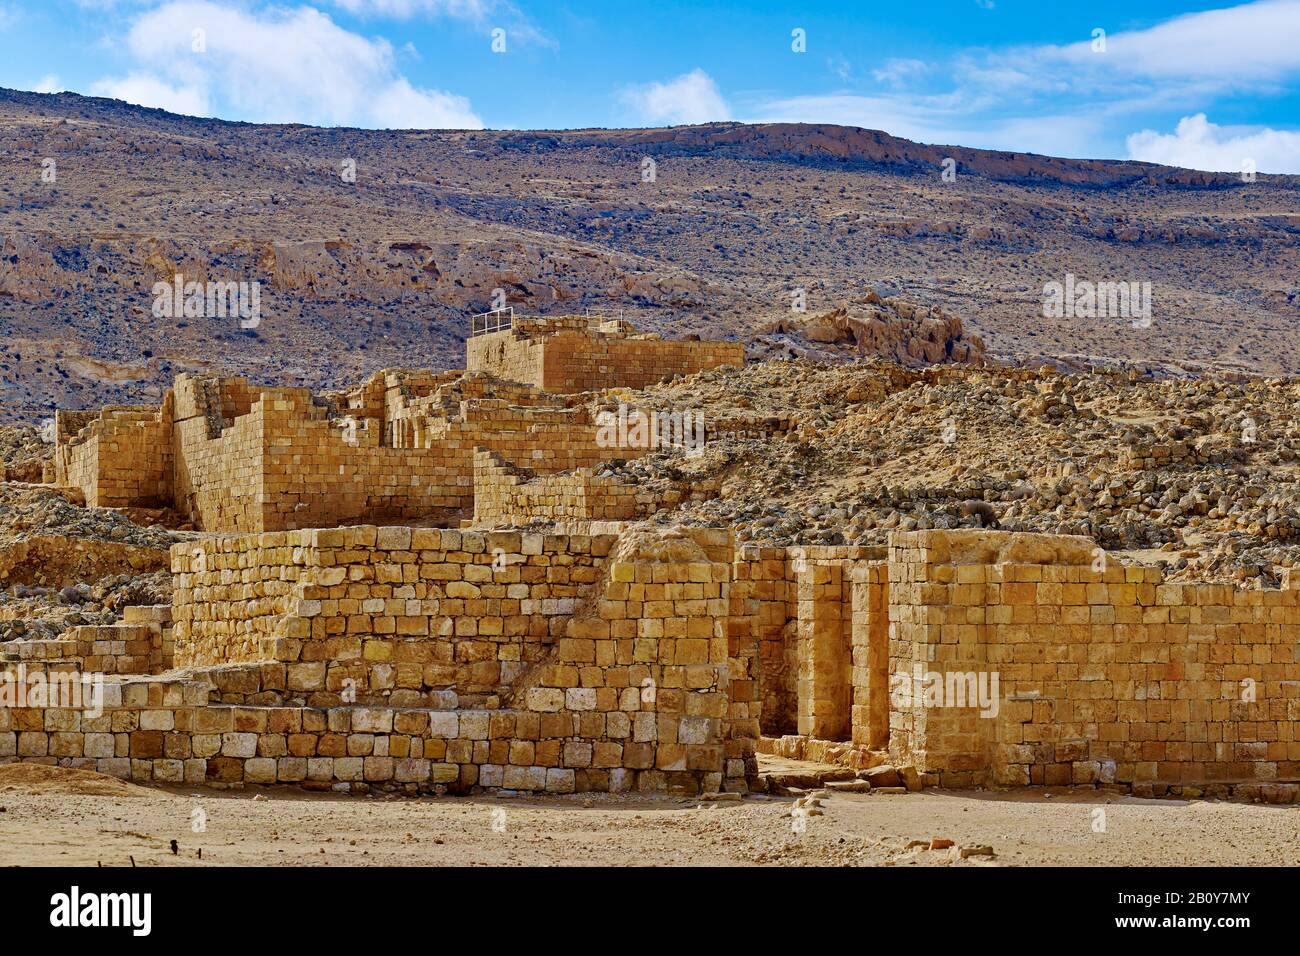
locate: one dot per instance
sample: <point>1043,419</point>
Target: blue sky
<point>1207,85</point>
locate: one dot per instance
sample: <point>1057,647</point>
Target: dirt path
<point>84,822</point>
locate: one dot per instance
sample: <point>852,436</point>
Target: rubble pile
<point>1204,472</point>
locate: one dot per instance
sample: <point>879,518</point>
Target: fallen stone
<point>850,786</point>
<point>883,776</point>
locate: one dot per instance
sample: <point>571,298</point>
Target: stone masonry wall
<point>122,457</point>
<point>591,668</point>
<point>1107,674</point>
<point>418,616</point>
<point>234,458</point>
<point>571,663</point>
<point>420,659</point>
<point>564,358</point>
<point>396,448</point>
<point>217,449</point>
<point>802,607</point>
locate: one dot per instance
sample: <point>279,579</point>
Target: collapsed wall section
<point>507,496</point>
<point>316,473</point>
<point>232,457</point>
<point>398,448</point>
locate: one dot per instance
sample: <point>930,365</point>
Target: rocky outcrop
<point>890,328</point>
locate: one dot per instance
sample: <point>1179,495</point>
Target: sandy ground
<point>51,817</point>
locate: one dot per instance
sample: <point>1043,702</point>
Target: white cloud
<point>277,66</point>
<point>1197,143</point>
<point>1246,48</point>
<point>49,83</point>
<point>7,18</point>
<point>690,98</point>
<point>840,67</point>
<point>895,71</point>
<point>481,13</point>
<point>1234,45</point>
<point>145,90</point>
<point>400,106</point>
<point>1067,100</point>
<point>405,9</point>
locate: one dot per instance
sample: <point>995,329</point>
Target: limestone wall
<point>421,616</point>
<point>217,449</point>
<point>315,476</point>
<point>120,457</point>
<point>546,662</point>
<point>1107,674</point>
<point>869,678</point>
<point>396,448</point>
<point>770,590</point>
<point>991,658</point>
<point>421,658</point>
<point>568,355</point>
<point>801,602</point>
<point>237,458</point>
<point>507,356</point>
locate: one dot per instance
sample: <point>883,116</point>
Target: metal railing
<point>495,321</point>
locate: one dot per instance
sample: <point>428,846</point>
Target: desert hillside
<point>384,270</point>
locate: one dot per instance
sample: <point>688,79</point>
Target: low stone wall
<point>564,661</point>
<point>111,649</point>
<point>561,663</point>
<point>428,658</point>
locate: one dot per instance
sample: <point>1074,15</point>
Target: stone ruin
<point>419,584</point>
<point>400,447</point>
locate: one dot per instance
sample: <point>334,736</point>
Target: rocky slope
<point>1201,474</point>
<point>711,230</point>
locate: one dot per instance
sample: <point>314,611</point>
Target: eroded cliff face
<point>867,147</point>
